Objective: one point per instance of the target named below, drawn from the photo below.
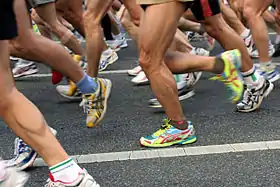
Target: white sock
(245, 33)
(180, 80)
(2, 171)
(66, 171)
(252, 78)
(277, 40)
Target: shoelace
(21, 147)
(88, 103)
(163, 127)
(246, 97)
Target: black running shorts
(7, 20)
(200, 8)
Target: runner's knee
(149, 59)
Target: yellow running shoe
(95, 105)
(69, 91)
(231, 75)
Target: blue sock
(87, 84)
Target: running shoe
(255, 52)
(231, 75)
(249, 42)
(168, 135)
(193, 78)
(140, 79)
(271, 74)
(200, 51)
(95, 105)
(69, 91)
(84, 180)
(135, 71)
(184, 92)
(14, 178)
(107, 59)
(210, 42)
(24, 155)
(122, 38)
(24, 68)
(117, 44)
(253, 97)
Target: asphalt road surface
(128, 118)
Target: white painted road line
(124, 71)
(102, 72)
(114, 72)
(171, 152)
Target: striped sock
(66, 171)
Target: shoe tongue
(255, 86)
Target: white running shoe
(24, 155)
(140, 79)
(135, 71)
(13, 178)
(200, 51)
(109, 57)
(23, 69)
(117, 44)
(84, 180)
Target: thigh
(158, 27)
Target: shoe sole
(27, 73)
(141, 83)
(132, 74)
(190, 140)
(275, 78)
(70, 97)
